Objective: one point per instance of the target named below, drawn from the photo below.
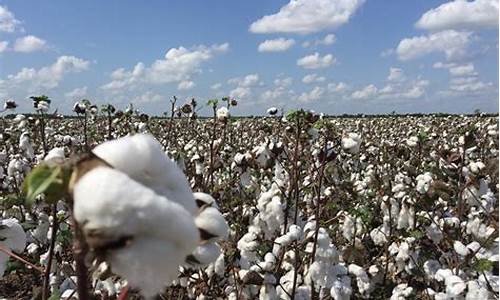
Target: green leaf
(10, 200)
(43, 179)
(56, 295)
(483, 265)
(213, 102)
(417, 234)
(422, 136)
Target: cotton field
(116, 204)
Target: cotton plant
(155, 218)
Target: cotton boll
(431, 267)
(454, 285)
(148, 264)
(55, 155)
(25, 145)
(460, 248)
(12, 237)
(141, 157)
(155, 233)
(401, 292)
(205, 254)
(222, 114)
(204, 199)
(434, 233)
(341, 288)
(213, 223)
(412, 141)
(424, 182)
(362, 279)
(351, 143)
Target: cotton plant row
(295, 206)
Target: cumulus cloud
(283, 82)
(240, 93)
(77, 93)
(280, 93)
(337, 87)
(463, 70)
(315, 61)
(396, 75)
(457, 70)
(8, 22)
(185, 85)
(247, 81)
(276, 45)
(469, 85)
(311, 78)
(329, 39)
(369, 91)
(306, 16)
(29, 43)
(47, 77)
(450, 42)
(243, 90)
(178, 64)
(315, 94)
(147, 98)
(461, 14)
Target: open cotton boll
(213, 223)
(146, 236)
(204, 254)
(351, 143)
(13, 237)
(25, 145)
(141, 157)
(55, 155)
(204, 199)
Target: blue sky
(333, 56)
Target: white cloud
(337, 87)
(147, 98)
(216, 86)
(3, 46)
(8, 22)
(315, 94)
(29, 43)
(311, 78)
(463, 70)
(396, 75)
(315, 61)
(243, 90)
(415, 91)
(329, 39)
(179, 64)
(369, 91)
(247, 81)
(185, 85)
(457, 70)
(306, 16)
(452, 43)
(461, 14)
(394, 90)
(240, 93)
(276, 45)
(77, 93)
(279, 94)
(47, 77)
(283, 82)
